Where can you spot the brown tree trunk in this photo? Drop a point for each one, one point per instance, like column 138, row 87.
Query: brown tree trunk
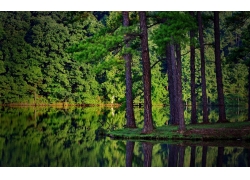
column 222, row 113
column 203, row 71
column 175, row 81
column 147, row 153
column 128, row 59
column 179, row 104
column 171, row 86
column 204, row 156
column 129, row 153
column 148, row 120
column 192, row 70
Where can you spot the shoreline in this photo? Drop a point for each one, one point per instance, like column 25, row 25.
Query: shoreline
column 239, row 131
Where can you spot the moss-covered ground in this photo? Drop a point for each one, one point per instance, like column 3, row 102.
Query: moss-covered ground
column 215, row 131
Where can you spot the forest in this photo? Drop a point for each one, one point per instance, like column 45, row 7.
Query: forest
column 126, row 58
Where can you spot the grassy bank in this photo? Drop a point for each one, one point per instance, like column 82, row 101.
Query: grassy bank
column 216, row 131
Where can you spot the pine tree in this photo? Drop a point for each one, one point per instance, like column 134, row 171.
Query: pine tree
column 203, row 72
column 148, row 120
column 128, row 59
column 192, row 70
column 222, row 112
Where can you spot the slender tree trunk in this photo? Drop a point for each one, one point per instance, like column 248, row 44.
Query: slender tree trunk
column 204, row 156
column 179, row 104
column 248, row 93
column 147, row 152
column 192, row 70
column 148, row 120
column 203, row 71
column 129, row 153
column 171, row 86
column 129, row 97
column 222, row 113
column 175, row 83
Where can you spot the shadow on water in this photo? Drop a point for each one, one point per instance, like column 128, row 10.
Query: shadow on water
column 72, row 137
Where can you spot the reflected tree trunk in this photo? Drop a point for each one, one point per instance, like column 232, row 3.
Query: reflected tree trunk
column 249, row 93
column 147, row 153
column 220, row 156
column 173, row 156
column 181, row 156
column 148, row 120
column 248, row 158
column 192, row 70
column 192, row 159
column 204, row 156
column 129, row 153
column 218, row 70
column 203, row 70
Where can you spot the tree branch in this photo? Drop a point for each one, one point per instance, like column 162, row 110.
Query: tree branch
column 157, row 62
column 207, row 44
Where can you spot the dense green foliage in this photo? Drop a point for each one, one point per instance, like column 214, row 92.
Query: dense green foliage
column 76, row 57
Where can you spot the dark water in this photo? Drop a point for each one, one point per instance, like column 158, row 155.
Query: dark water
column 71, row 137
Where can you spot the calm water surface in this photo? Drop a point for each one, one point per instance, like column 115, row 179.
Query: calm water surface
column 71, row 137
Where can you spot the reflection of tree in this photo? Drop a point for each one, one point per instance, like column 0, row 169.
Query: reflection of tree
column 192, row 160
column 220, row 156
column 204, row 156
column 181, row 156
column 173, row 155
column 147, row 152
column 129, row 153
column 248, row 158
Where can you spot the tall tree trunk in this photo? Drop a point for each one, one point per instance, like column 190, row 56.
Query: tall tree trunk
column 222, row 113
column 175, row 82
column 147, row 152
column 148, row 120
column 192, row 70
column 179, row 104
column 171, row 86
column 128, row 59
column 204, row 156
column 203, row 71
column 129, row 153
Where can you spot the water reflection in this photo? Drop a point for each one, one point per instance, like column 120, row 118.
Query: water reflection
column 129, row 153
column 179, row 155
column 147, row 153
column 73, row 138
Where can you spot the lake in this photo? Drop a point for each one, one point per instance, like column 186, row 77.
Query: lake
column 71, row 137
